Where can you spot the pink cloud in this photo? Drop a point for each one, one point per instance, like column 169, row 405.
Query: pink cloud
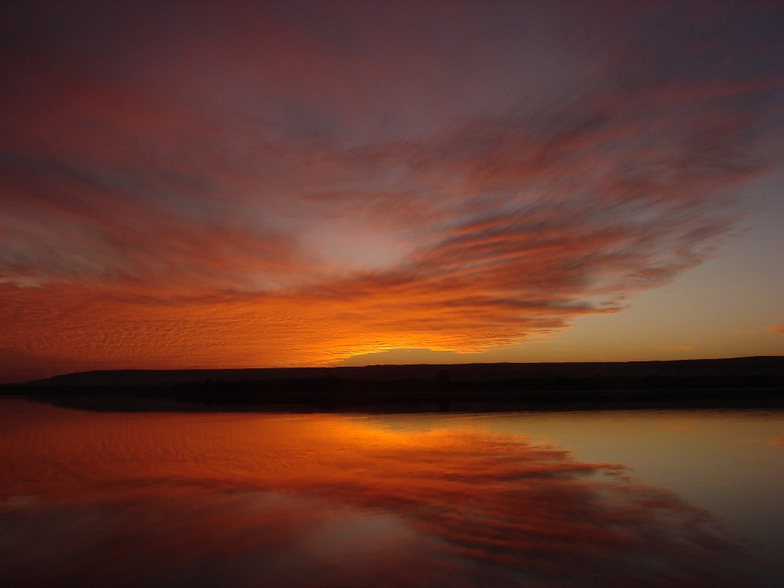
column 476, row 247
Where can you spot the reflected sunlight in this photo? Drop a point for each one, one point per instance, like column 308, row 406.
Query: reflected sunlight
column 180, row 499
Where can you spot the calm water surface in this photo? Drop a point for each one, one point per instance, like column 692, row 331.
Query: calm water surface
column 558, row 499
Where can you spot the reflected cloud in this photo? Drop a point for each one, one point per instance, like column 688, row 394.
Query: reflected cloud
column 318, row 500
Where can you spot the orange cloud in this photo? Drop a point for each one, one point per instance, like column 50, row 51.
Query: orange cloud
column 241, row 198
column 776, row 329
column 478, row 248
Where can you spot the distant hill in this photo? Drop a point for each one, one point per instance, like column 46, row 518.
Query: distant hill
column 747, row 382
column 470, row 372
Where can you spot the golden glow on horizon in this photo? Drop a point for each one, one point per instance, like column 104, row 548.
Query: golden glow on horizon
column 76, row 328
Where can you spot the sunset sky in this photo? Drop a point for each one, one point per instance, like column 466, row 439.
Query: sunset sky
column 252, row 184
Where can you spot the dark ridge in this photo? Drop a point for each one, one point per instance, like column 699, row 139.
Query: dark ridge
column 749, row 382
column 470, row 372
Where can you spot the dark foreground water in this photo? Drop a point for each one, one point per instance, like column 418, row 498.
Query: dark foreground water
column 558, row 499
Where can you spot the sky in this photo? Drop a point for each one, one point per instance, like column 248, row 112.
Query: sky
column 255, row 184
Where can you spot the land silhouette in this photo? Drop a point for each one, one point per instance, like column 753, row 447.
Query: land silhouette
column 748, row 382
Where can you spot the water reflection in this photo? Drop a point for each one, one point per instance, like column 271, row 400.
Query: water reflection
column 323, row 500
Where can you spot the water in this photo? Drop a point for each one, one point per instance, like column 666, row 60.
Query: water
column 551, row 499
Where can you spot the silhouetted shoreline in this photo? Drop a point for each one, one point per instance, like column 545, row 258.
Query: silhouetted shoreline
column 753, row 382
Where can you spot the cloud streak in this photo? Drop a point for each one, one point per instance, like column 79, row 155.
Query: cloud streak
column 285, row 187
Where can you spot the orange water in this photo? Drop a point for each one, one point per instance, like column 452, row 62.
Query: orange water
column 246, row 499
